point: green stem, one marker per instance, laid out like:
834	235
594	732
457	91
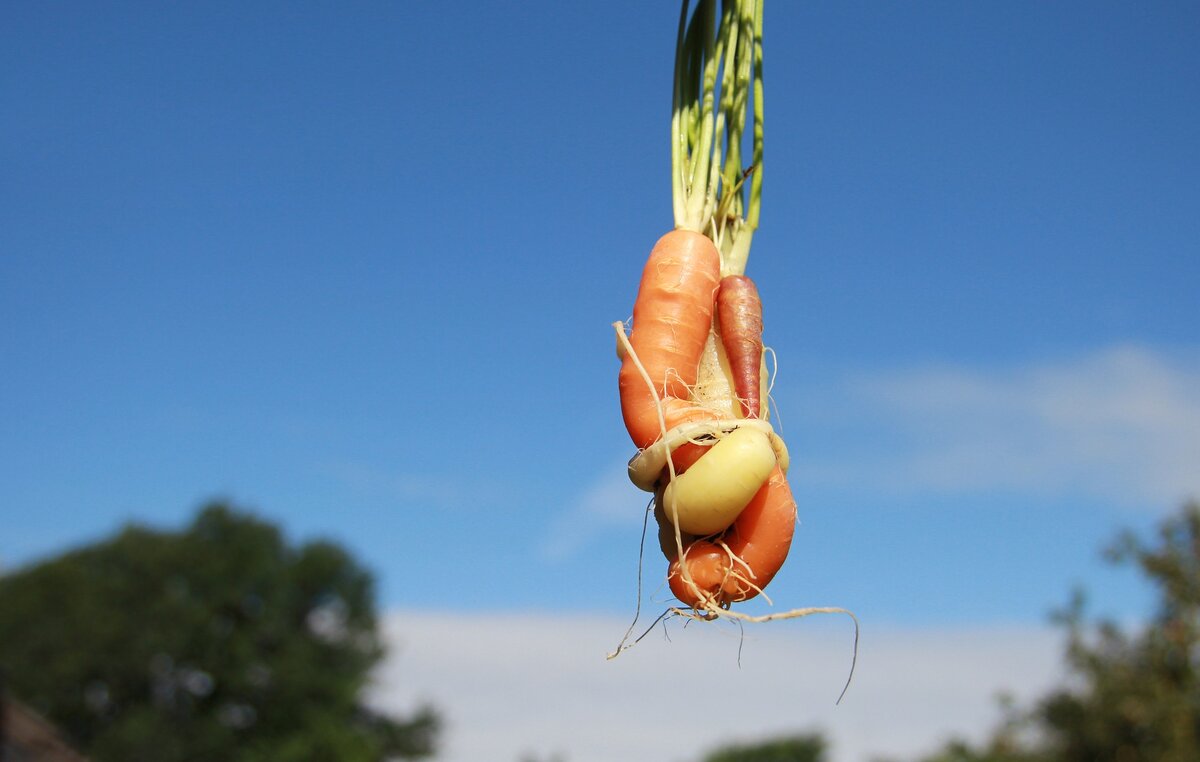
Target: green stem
728	50
756	159
718	77
735	106
699	191
678	126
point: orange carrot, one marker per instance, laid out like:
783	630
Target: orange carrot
671	321
672	318
759	539
739	316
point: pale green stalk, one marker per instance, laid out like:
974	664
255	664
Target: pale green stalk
756	159
739	246
718	77
699	192
734	97
727	51
678	133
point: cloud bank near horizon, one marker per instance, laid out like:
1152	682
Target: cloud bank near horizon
514	685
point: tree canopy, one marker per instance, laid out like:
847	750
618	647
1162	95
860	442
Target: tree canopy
797	748
218	642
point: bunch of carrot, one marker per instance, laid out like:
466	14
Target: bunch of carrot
692	399
694	393
692	380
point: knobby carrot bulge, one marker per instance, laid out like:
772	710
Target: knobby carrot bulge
736	565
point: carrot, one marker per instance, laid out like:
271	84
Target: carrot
666	531
672	318
736	565
739	316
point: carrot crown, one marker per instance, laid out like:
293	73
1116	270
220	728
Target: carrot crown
718	75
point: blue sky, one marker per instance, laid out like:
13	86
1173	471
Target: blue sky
354	267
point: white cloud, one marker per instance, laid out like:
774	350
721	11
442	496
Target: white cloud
1122	424
515	684
610	501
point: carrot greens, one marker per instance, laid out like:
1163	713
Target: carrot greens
718	79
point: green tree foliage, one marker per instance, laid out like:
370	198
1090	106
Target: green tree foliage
1133	696
1004	746
800	748
219	642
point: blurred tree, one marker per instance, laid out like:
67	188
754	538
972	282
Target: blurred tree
216	643
1133	697
1005	745
800	748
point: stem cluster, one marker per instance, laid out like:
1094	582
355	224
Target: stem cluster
718	79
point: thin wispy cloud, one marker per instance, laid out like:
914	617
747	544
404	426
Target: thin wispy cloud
400	486
610	501
672	700
392	485
1122	424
